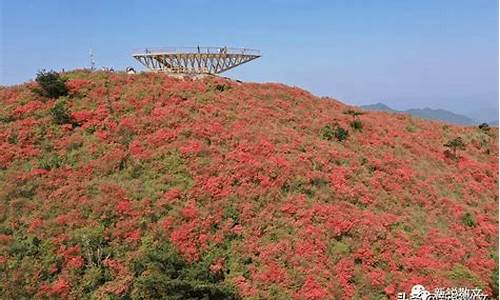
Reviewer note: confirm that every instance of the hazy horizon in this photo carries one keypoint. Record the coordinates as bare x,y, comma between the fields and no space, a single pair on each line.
404,54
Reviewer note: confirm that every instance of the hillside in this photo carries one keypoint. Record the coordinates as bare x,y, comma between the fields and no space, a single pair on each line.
143,186
426,113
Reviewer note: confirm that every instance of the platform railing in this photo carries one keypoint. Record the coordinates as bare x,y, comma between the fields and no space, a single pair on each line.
194,50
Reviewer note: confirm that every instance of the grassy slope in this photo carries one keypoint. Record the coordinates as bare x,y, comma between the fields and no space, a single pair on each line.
234,188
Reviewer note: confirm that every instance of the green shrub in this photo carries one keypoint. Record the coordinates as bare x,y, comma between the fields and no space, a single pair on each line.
329,133
356,125
51,84
341,134
468,220
60,113
222,87
6,119
13,139
93,244
460,272
49,162
125,136
336,249
24,246
231,212
319,181
411,128
494,276
93,278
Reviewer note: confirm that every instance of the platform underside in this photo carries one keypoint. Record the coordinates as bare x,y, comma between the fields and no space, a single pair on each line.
193,63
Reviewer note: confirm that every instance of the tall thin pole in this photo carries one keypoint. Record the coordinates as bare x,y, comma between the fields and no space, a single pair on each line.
92,60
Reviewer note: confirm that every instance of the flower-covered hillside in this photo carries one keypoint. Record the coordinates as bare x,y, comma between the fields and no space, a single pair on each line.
144,186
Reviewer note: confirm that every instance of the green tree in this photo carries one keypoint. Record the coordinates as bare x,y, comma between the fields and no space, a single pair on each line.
51,84
60,113
454,145
354,113
162,274
356,123
484,127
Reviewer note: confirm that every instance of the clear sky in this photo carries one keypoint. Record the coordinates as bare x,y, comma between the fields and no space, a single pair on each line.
440,54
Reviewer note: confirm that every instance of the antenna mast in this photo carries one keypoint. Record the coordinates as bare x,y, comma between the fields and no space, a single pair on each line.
92,60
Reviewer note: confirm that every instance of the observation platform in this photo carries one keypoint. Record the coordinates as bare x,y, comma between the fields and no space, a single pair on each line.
194,60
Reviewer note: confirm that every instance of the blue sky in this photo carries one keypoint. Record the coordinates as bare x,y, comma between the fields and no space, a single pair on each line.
440,54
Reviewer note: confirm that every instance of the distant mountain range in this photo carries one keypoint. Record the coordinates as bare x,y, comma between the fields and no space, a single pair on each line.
429,113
